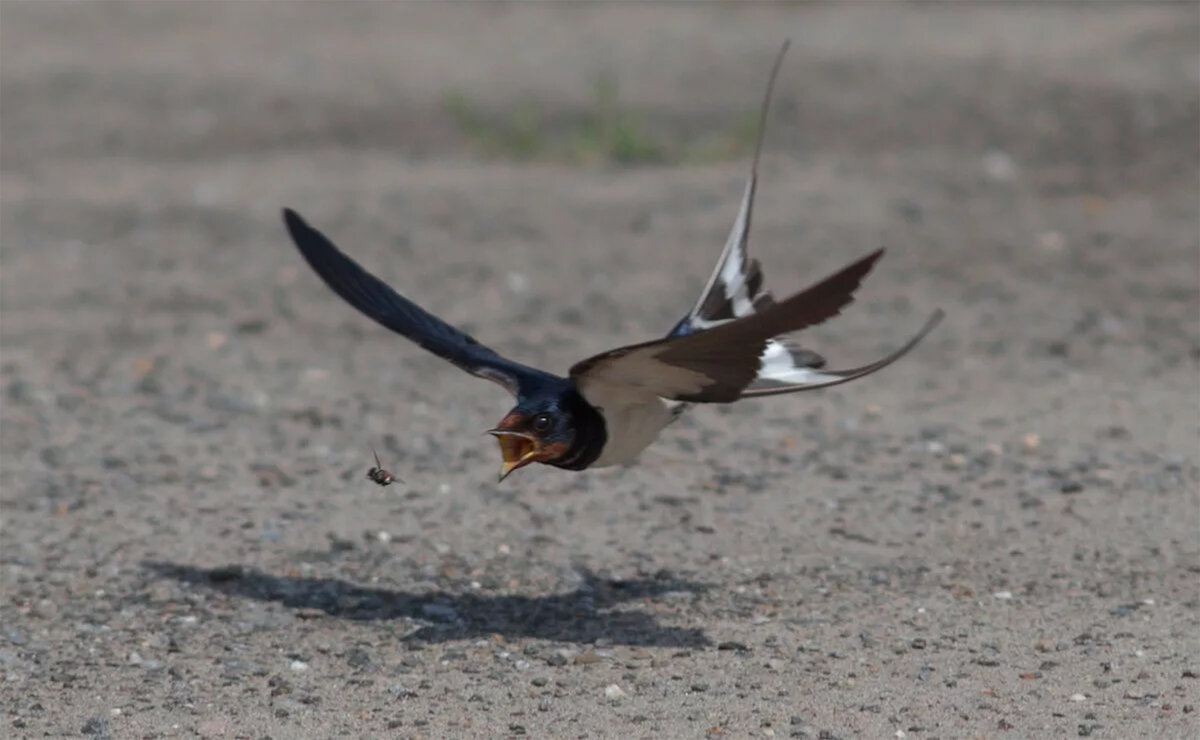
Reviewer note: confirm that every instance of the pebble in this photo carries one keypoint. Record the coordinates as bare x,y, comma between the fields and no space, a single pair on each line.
517,282
613,692
699,686
1003,595
213,727
299,665
1031,443
999,166
1078,697
1052,241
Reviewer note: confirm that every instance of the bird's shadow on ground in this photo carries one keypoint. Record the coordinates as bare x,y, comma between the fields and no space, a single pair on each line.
583,615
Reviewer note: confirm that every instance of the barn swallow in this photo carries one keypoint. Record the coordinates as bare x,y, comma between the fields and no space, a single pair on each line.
732,344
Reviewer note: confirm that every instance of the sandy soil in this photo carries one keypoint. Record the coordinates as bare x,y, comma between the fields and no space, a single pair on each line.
995,538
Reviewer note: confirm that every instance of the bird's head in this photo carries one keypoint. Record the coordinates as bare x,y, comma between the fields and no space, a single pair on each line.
532,432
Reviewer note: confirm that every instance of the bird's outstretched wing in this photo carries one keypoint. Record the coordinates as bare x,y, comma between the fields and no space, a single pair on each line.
378,301
719,365
735,289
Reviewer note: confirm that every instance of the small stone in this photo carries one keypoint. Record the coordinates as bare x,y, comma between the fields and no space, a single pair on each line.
556,659
517,282
1003,595
213,727
1052,241
314,375
700,687
1078,697
1031,443
299,665
587,658
613,692
999,165
95,726
540,681
358,658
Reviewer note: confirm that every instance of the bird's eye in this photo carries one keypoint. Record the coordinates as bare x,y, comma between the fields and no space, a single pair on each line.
543,422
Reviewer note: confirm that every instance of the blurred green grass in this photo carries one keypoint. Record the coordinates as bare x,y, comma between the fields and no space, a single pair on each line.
604,132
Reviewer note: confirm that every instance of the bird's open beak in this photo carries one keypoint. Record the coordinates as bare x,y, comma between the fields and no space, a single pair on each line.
517,448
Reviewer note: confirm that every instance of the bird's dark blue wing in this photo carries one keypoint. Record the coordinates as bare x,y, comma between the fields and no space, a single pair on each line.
378,301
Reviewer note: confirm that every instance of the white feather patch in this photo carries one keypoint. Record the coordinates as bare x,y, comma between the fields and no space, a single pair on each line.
778,365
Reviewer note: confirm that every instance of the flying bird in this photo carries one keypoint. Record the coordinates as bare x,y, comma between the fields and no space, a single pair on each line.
732,344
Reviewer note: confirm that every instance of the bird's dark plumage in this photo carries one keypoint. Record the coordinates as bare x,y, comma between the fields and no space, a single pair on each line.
734,343
378,301
717,365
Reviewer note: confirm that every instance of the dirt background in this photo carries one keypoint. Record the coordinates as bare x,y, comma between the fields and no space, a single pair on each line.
996,537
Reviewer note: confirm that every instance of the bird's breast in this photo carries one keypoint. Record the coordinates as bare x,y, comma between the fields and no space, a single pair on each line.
631,428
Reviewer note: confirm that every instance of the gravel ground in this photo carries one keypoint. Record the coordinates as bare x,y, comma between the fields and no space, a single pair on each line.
997,537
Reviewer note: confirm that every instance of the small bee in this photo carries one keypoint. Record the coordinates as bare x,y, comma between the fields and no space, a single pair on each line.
379,475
